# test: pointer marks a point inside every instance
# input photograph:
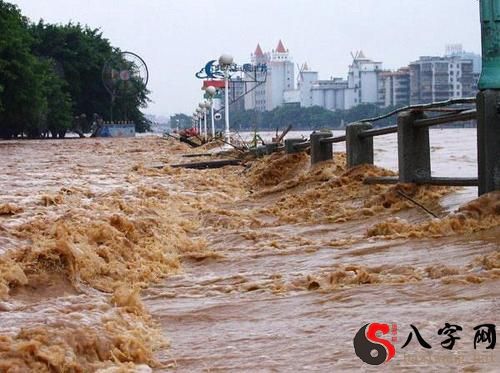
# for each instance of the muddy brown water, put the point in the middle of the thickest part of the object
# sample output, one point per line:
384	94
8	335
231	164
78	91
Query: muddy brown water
110	264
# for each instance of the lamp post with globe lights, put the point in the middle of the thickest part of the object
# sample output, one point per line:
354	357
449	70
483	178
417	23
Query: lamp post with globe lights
206	106
198	115
204	111
210	90
225	61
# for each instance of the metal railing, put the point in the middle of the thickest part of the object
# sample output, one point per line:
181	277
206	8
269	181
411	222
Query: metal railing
413	142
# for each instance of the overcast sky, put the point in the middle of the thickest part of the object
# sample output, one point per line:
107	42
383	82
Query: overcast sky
177	37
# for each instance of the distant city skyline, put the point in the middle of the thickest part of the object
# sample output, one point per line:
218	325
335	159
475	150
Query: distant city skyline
177	38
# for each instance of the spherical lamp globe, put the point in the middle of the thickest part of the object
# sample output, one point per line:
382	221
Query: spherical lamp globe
210	90
226	59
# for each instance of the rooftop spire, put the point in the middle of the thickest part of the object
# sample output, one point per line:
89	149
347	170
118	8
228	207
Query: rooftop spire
361	56
280	48
258	51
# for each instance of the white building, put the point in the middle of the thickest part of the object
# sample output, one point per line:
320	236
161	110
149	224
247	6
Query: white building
456	50
329	94
362	81
280	79
307	78
291	96
362	86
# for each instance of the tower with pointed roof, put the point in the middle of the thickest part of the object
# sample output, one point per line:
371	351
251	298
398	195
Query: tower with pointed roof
259	56
280	78
256	98
280	53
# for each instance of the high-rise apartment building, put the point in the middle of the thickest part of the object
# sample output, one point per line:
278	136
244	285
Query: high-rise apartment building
441	78
394	88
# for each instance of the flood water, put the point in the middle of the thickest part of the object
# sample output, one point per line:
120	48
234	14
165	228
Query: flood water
109	262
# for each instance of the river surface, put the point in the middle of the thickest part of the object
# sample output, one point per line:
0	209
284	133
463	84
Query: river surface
110	261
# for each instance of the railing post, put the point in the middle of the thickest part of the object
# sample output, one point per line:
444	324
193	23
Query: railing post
414	154
271	148
290	145
359	150
488	140
320	152
259	151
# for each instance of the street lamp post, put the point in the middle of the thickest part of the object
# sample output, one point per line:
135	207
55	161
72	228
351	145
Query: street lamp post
200	119
204	111
210	90
205	124
198	113
206	106
226	61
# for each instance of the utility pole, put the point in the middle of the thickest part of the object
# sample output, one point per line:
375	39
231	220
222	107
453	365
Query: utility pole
488	99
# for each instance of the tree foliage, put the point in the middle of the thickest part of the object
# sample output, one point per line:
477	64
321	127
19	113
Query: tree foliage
22	103
305	118
49	74
180	120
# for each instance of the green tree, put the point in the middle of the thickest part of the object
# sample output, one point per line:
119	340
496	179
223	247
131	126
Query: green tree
306	118
59	117
50	74
180	120
79	54
22	103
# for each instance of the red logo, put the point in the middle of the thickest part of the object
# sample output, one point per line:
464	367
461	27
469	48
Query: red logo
372	349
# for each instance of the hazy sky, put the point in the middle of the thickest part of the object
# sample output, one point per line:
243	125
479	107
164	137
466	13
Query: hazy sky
177	37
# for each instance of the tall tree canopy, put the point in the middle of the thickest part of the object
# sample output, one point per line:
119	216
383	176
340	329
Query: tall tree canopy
22	103
49	74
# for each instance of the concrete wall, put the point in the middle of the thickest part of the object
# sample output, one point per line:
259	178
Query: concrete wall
306	96
318	98
369	87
